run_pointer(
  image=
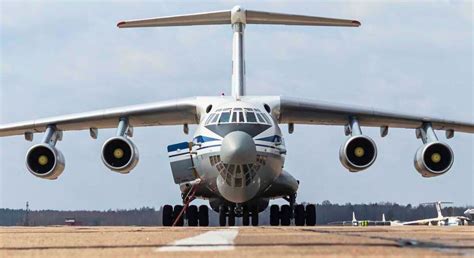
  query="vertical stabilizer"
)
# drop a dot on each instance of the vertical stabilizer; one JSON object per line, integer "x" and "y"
{"x": 438, "y": 209}
{"x": 353, "y": 217}
{"x": 239, "y": 18}
{"x": 383, "y": 217}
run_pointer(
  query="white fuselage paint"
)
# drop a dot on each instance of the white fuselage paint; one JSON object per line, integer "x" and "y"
{"x": 215, "y": 240}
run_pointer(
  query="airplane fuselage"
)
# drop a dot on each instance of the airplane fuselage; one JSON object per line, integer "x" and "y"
{"x": 238, "y": 153}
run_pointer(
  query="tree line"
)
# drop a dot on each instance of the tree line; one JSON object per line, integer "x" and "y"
{"x": 147, "y": 216}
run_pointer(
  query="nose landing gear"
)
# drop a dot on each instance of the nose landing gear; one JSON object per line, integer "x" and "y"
{"x": 227, "y": 215}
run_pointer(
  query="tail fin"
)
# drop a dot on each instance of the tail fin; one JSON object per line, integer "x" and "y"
{"x": 438, "y": 209}
{"x": 383, "y": 217}
{"x": 353, "y": 216}
{"x": 237, "y": 15}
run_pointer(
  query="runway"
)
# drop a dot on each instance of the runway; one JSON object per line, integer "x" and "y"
{"x": 413, "y": 241}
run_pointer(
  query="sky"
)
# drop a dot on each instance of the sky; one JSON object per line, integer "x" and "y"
{"x": 67, "y": 57}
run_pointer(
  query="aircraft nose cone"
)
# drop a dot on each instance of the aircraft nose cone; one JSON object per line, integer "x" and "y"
{"x": 238, "y": 148}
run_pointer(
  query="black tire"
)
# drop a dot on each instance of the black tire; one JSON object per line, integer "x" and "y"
{"x": 231, "y": 217}
{"x": 255, "y": 218}
{"x": 285, "y": 215}
{"x": 245, "y": 217}
{"x": 192, "y": 215}
{"x": 176, "y": 211}
{"x": 274, "y": 215}
{"x": 310, "y": 215}
{"x": 167, "y": 216}
{"x": 222, "y": 216}
{"x": 203, "y": 216}
{"x": 299, "y": 215}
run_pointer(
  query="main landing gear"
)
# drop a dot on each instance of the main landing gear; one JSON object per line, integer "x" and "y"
{"x": 227, "y": 215}
{"x": 195, "y": 216}
{"x": 302, "y": 215}
{"x": 175, "y": 216}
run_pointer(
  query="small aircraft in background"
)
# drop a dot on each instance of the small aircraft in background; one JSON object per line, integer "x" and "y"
{"x": 440, "y": 220}
{"x": 354, "y": 222}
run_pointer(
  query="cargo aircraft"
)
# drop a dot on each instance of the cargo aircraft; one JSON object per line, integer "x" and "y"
{"x": 236, "y": 157}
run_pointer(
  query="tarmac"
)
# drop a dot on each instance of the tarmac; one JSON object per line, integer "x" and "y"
{"x": 319, "y": 241}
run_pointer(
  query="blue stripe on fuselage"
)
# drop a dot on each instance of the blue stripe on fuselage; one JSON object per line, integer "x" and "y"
{"x": 274, "y": 138}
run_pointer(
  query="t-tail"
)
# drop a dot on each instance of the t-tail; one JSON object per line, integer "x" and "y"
{"x": 438, "y": 207}
{"x": 239, "y": 18}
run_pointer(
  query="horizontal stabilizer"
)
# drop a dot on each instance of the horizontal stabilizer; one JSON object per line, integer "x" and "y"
{"x": 237, "y": 15}
{"x": 208, "y": 18}
{"x": 257, "y": 17}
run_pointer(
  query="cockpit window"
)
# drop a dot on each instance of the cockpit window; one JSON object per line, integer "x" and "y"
{"x": 238, "y": 115}
{"x": 234, "y": 117}
{"x": 250, "y": 117}
{"x": 260, "y": 118}
{"x": 225, "y": 116}
{"x": 214, "y": 119}
{"x": 241, "y": 117}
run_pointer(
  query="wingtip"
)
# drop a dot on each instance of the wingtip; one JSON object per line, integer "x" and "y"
{"x": 120, "y": 24}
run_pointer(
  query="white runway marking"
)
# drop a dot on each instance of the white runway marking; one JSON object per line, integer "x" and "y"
{"x": 216, "y": 240}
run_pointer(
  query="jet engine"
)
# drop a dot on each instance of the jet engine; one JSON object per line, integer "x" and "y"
{"x": 358, "y": 153}
{"x": 434, "y": 159}
{"x": 45, "y": 161}
{"x": 119, "y": 154}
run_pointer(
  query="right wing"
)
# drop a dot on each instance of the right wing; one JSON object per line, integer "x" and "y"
{"x": 172, "y": 112}
{"x": 303, "y": 111}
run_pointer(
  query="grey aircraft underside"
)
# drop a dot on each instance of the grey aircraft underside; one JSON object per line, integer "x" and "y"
{"x": 237, "y": 155}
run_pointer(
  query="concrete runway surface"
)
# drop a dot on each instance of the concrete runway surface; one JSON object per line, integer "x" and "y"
{"x": 320, "y": 241}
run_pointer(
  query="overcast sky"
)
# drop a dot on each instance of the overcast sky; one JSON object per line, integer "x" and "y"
{"x": 66, "y": 57}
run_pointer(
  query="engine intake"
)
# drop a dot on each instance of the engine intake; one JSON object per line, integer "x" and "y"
{"x": 119, "y": 154}
{"x": 45, "y": 161}
{"x": 358, "y": 153}
{"x": 434, "y": 159}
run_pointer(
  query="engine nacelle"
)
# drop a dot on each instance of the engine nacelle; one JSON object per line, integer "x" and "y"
{"x": 119, "y": 154}
{"x": 45, "y": 161}
{"x": 358, "y": 153}
{"x": 434, "y": 159}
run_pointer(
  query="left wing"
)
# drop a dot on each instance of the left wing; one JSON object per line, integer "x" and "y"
{"x": 172, "y": 112}
{"x": 302, "y": 111}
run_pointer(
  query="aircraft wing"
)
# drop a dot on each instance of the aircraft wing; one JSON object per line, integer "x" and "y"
{"x": 422, "y": 221}
{"x": 172, "y": 112}
{"x": 302, "y": 111}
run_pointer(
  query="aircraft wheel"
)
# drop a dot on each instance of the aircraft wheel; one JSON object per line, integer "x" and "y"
{"x": 203, "y": 215}
{"x": 245, "y": 217}
{"x": 285, "y": 215}
{"x": 222, "y": 216}
{"x": 176, "y": 211}
{"x": 167, "y": 215}
{"x": 310, "y": 215}
{"x": 192, "y": 215}
{"x": 299, "y": 215}
{"x": 231, "y": 217}
{"x": 274, "y": 215}
{"x": 255, "y": 218}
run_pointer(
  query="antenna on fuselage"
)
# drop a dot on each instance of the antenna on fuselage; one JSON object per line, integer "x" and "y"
{"x": 238, "y": 17}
